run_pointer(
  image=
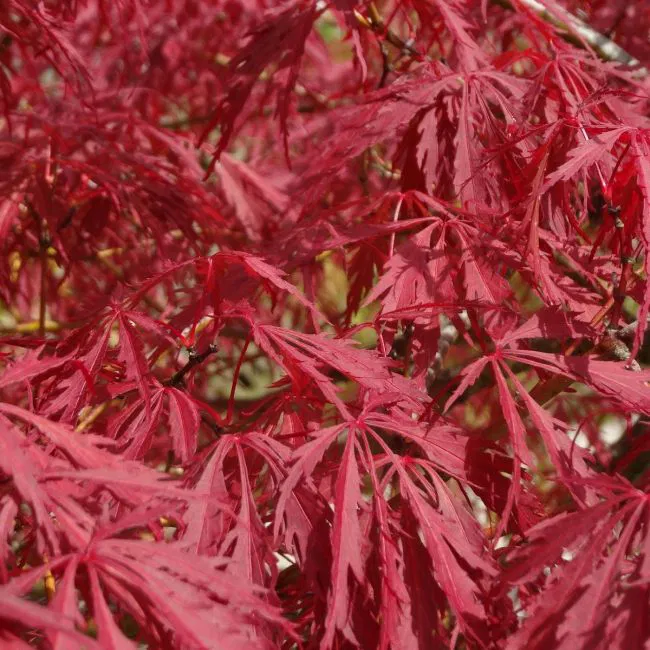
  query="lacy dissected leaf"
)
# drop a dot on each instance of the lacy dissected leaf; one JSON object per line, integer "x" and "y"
{"x": 597, "y": 557}
{"x": 186, "y": 594}
{"x": 232, "y": 478}
{"x": 380, "y": 380}
{"x": 30, "y": 368}
{"x": 443, "y": 263}
{"x": 642, "y": 163}
{"x": 411, "y": 275}
{"x": 26, "y": 614}
{"x": 184, "y": 420}
{"x": 82, "y": 450}
{"x": 249, "y": 193}
{"x": 346, "y": 544}
{"x": 456, "y": 552}
{"x": 21, "y": 461}
{"x": 610, "y": 378}
{"x": 234, "y": 276}
{"x": 303, "y": 355}
{"x": 278, "y": 38}
{"x": 586, "y": 155}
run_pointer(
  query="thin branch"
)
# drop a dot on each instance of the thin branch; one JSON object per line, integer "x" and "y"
{"x": 43, "y": 245}
{"x": 374, "y": 23}
{"x": 33, "y": 326}
{"x": 177, "y": 380}
{"x": 628, "y": 331}
{"x": 89, "y": 418}
{"x": 42, "y": 304}
{"x": 575, "y": 31}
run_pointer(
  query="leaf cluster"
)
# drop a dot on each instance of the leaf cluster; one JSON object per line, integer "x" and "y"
{"x": 323, "y": 324}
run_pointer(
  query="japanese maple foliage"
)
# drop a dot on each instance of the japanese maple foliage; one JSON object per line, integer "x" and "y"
{"x": 323, "y": 324}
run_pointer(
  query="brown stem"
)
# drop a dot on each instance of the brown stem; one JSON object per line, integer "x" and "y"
{"x": 576, "y": 32}
{"x": 43, "y": 245}
{"x": 177, "y": 380}
{"x": 374, "y": 23}
{"x": 43, "y": 297}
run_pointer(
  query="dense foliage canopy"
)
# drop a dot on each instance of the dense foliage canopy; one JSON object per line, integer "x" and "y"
{"x": 322, "y": 324}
